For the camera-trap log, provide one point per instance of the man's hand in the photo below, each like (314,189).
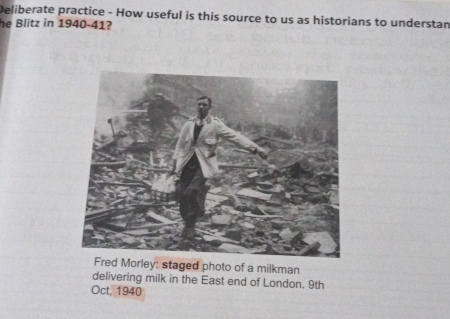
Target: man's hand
(262,153)
(173,168)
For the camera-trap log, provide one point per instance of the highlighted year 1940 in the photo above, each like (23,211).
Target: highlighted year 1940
(128,292)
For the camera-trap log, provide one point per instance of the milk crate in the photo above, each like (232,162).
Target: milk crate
(161,196)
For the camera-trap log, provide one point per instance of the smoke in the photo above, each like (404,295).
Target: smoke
(116,93)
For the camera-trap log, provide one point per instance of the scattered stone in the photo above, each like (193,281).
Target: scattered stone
(246,192)
(216,198)
(309,249)
(211,204)
(265,185)
(259,233)
(274,203)
(278,188)
(279,224)
(129,240)
(99,237)
(235,234)
(253,175)
(216,190)
(327,244)
(230,248)
(248,225)
(221,220)
(257,250)
(334,197)
(138,232)
(262,216)
(288,235)
(212,240)
(230,210)
(151,215)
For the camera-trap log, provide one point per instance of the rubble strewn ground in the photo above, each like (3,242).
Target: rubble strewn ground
(288,205)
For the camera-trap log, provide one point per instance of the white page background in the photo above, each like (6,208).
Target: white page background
(393,150)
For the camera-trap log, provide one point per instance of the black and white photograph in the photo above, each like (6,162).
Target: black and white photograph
(214,164)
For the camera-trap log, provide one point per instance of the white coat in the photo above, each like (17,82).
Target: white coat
(206,145)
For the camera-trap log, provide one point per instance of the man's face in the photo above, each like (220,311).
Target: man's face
(203,108)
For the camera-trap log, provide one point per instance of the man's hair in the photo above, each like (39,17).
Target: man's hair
(204,97)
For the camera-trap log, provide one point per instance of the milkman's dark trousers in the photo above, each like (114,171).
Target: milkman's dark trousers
(192,192)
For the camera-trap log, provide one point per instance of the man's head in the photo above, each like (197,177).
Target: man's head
(203,106)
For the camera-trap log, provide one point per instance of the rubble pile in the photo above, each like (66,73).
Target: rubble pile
(288,205)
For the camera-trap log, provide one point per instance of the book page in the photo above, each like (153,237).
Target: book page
(222,160)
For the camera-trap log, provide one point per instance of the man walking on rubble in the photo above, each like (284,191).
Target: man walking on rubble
(160,111)
(196,160)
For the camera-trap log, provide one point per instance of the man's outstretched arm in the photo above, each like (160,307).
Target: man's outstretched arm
(241,141)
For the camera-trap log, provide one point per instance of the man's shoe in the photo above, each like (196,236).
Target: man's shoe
(190,232)
(184,232)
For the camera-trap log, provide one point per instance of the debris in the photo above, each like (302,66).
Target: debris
(279,224)
(212,240)
(99,237)
(150,226)
(108,142)
(289,142)
(241,151)
(264,185)
(237,204)
(327,244)
(94,182)
(221,220)
(248,225)
(230,210)
(235,234)
(150,205)
(278,188)
(126,239)
(309,249)
(262,216)
(273,203)
(230,248)
(296,191)
(253,175)
(260,209)
(216,198)
(211,204)
(138,232)
(289,235)
(160,170)
(246,192)
(102,215)
(334,197)
(217,236)
(216,190)
(122,226)
(121,184)
(158,218)
(238,166)
(111,164)
(257,250)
